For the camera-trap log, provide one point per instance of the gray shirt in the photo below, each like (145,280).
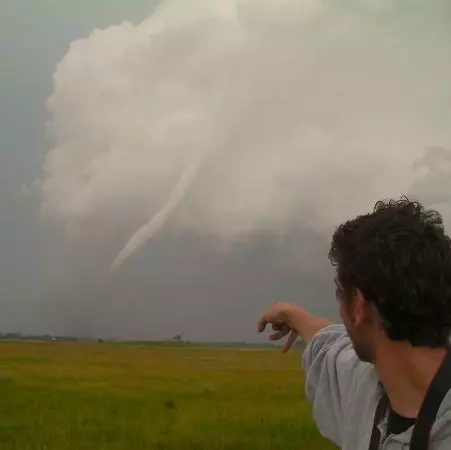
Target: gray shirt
(345,391)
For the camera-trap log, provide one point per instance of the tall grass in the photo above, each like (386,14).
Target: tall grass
(77,396)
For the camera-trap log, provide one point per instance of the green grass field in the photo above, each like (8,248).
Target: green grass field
(76,396)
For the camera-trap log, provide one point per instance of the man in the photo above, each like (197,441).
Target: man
(382,379)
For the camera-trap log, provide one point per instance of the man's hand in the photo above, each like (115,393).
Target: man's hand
(282,318)
(288,318)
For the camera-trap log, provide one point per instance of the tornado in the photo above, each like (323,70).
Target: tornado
(158,221)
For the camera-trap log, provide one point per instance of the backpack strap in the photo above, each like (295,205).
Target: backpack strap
(440,386)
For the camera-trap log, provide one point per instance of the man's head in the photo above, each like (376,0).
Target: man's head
(394,276)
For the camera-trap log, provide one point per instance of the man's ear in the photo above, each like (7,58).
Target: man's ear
(361,308)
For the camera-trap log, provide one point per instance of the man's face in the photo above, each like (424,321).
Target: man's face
(352,313)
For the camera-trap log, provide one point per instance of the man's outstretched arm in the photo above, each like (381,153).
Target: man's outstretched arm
(329,360)
(306,324)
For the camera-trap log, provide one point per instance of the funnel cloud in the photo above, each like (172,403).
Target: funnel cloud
(147,231)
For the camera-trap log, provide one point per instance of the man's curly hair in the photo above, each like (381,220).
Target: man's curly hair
(399,257)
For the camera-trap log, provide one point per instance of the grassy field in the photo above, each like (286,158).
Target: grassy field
(61,396)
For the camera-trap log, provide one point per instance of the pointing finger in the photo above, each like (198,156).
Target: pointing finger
(290,341)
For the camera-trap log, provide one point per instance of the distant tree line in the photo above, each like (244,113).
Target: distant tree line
(175,340)
(37,337)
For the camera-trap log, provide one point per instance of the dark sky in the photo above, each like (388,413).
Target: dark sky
(183,281)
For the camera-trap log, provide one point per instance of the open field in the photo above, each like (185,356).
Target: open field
(78,396)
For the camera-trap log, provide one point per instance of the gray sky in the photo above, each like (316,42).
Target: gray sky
(302,117)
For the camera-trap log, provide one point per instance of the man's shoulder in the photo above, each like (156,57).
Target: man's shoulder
(360,377)
(344,390)
(333,346)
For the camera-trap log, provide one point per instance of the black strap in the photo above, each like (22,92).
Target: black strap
(380,411)
(440,385)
